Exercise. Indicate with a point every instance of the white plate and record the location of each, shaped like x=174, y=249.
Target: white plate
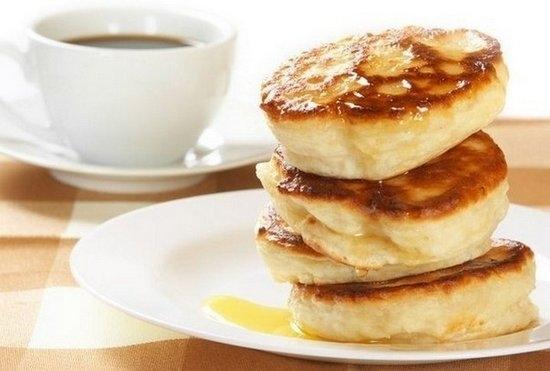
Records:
x=162, y=262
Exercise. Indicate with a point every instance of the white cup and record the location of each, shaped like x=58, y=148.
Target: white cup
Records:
x=128, y=107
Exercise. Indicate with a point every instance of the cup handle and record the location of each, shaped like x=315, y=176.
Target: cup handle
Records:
x=40, y=136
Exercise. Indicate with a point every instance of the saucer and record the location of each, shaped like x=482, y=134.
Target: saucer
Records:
x=209, y=155
x=26, y=135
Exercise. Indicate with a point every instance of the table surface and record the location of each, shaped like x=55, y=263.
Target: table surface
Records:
x=47, y=322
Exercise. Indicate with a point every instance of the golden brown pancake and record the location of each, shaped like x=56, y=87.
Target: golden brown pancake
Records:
x=437, y=211
x=458, y=177
x=363, y=76
x=376, y=105
x=290, y=259
x=504, y=257
x=484, y=297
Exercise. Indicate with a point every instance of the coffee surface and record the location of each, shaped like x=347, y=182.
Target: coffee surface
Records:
x=131, y=42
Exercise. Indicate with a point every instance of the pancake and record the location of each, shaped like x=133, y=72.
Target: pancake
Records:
x=375, y=106
x=484, y=297
x=444, y=208
x=290, y=259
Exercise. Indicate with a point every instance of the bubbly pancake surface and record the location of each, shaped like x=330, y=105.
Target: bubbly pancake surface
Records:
x=460, y=176
x=397, y=72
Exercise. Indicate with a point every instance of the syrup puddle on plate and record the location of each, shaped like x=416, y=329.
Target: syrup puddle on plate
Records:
x=254, y=317
x=259, y=318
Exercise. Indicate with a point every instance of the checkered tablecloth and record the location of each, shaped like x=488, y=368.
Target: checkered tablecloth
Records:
x=48, y=322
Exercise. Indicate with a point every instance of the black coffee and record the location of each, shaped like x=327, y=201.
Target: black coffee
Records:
x=131, y=42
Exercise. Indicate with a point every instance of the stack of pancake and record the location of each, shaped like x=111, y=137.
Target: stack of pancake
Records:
x=385, y=192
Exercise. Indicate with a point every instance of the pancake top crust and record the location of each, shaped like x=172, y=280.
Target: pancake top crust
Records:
x=388, y=75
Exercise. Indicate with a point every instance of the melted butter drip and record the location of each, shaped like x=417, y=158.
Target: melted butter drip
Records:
x=254, y=317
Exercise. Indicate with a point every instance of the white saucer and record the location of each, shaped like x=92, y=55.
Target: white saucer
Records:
x=209, y=156
x=25, y=136
x=163, y=272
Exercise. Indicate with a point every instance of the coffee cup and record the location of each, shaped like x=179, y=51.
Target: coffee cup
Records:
x=117, y=96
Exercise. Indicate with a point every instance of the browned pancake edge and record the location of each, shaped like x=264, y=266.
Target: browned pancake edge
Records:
x=463, y=175
x=505, y=257
x=272, y=228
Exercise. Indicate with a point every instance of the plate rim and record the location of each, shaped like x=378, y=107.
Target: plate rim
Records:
x=330, y=355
